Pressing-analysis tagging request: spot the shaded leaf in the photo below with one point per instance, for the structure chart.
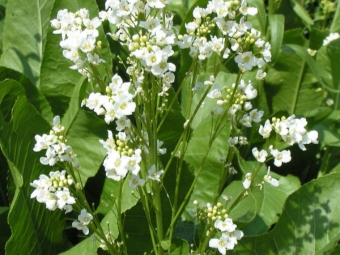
(42, 234)
(309, 223)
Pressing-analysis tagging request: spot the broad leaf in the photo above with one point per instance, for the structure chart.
(309, 223)
(41, 233)
(291, 86)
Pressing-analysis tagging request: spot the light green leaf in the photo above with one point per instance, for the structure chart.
(42, 229)
(88, 246)
(270, 201)
(309, 223)
(276, 26)
(24, 36)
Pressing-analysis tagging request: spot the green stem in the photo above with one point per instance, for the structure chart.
(119, 214)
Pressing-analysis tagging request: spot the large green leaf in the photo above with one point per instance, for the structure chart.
(309, 223)
(24, 36)
(57, 79)
(35, 230)
(291, 86)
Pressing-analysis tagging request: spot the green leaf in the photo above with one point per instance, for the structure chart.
(335, 27)
(291, 87)
(276, 26)
(259, 20)
(328, 57)
(88, 246)
(24, 36)
(209, 178)
(83, 130)
(33, 95)
(179, 247)
(245, 210)
(270, 201)
(5, 231)
(309, 223)
(42, 229)
(302, 13)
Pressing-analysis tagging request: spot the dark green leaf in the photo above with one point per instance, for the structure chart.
(42, 229)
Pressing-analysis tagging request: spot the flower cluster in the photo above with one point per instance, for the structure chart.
(115, 105)
(229, 236)
(84, 219)
(217, 219)
(54, 191)
(149, 38)
(121, 159)
(238, 34)
(291, 131)
(54, 144)
(79, 34)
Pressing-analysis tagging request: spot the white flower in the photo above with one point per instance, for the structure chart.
(245, 10)
(246, 120)
(272, 181)
(159, 149)
(245, 60)
(280, 157)
(256, 115)
(153, 175)
(260, 75)
(64, 198)
(226, 225)
(330, 37)
(266, 129)
(232, 141)
(260, 155)
(246, 183)
(135, 181)
(220, 244)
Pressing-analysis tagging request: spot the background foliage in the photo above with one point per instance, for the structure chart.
(301, 216)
